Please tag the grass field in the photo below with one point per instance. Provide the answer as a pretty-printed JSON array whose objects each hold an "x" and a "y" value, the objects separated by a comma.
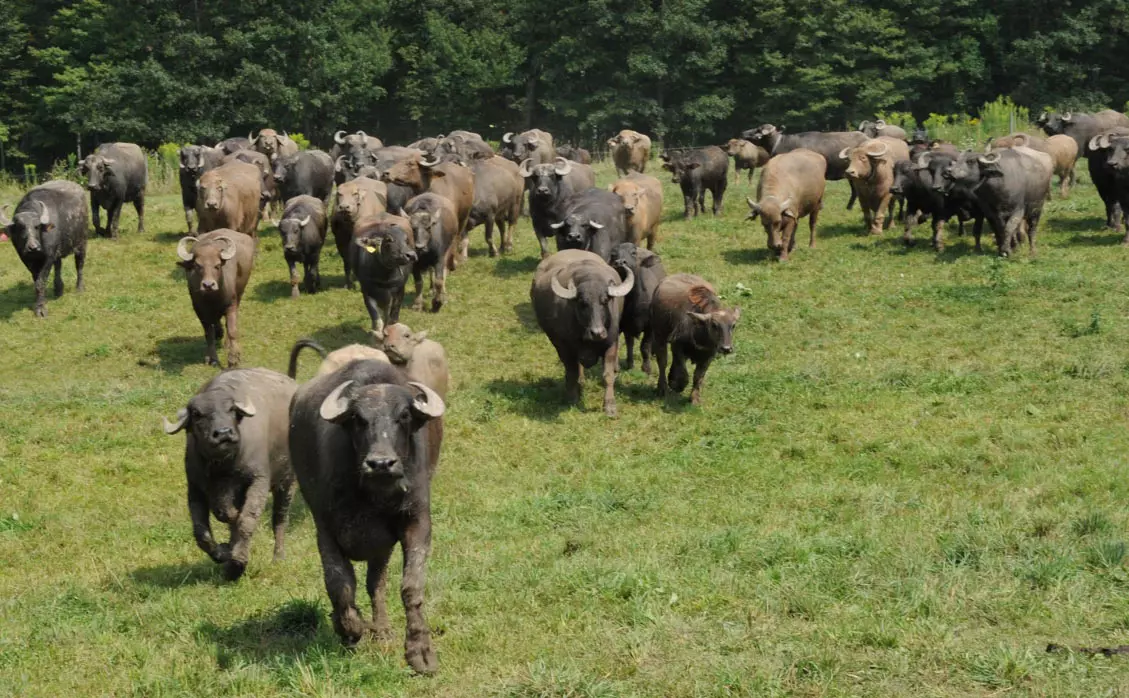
[{"x": 908, "y": 479}]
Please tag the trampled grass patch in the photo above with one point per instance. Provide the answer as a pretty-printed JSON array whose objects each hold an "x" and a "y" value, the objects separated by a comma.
[{"x": 908, "y": 479}]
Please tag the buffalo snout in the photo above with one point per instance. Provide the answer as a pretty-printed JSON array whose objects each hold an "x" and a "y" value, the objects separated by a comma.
[
  {"x": 596, "y": 333},
  {"x": 543, "y": 190},
  {"x": 223, "y": 434},
  {"x": 209, "y": 285},
  {"x": 384, "y": 465}
]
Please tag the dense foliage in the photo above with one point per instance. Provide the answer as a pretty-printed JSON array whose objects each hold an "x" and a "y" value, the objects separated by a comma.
[{"x": 152, "y": 71}]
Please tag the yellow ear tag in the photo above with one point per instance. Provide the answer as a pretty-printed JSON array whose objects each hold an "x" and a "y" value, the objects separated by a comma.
[{"x": 371, "y": 249}]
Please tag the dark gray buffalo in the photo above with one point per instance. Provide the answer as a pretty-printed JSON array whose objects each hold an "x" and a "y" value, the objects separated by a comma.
[
  {"x": 498, "y": 190},
  {"x": 382, "y": 256},
  {"x": 49, "y": 224},
  {"x": 595, "y": 220},
  {"x": 550, "y": 188},
  {"x": 236, "y": 452},
  {"x": 1081, "y": 126},
  {"x": 1117, "y": 164},
  {"x": 303, "y": 227},
  {"x": 1010, "y": 187},
  {"x": 828, "y": 144},
  {"x": 365, "y": 445},
  {"x": 116, "y": 174},
  {"x": 305, "y": 173},
  {"x": 578, "y": 301},
  {"x": 921, "y": 181},
  {"x": 696, "y": 172},
  {"x": 648, "y": 270},
  {"x": 1104, "y": 177},
  {"x": 195, "y": 160}
]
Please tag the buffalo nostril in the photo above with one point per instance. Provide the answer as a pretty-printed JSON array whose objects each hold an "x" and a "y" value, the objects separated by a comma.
[
  {"x": 380, "y": 464},
  {"x": 225, "y": 431},
  {"x": 727, "y": 349}
]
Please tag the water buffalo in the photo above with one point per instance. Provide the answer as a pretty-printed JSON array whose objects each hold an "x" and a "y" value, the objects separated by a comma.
[
  {"x": 1081, "y": 126},
  {"x": 1103, "y": 176},
  {"x": 696, "y": 172},
  {"x": 687, "y": 315},
  {"x": 570, "y": 152},
  {"x": 550, "y": 188},
  {"x": 230, "y": 197},
  {"x": 879, "y": 128},
  {"x": 642, "y": 197},
  {"x": 454, "y": 182},
  {"x": 535, "y": 145},
  {"x": 791, "y": 187},
  {"x": 746, "y": 156},
  {"x": 305, "y": 173},
  {"x": 921, "y": 183},
  {"x": 498, "y": 190},
  {"x": 648, "y": 270},
  {"x": 630, "y": 151},
  {"x": 422, "y": 359},
  {"x": 353, "y": 144},
  {"x": 333, "y": 360},
  {"x": 578, "y": 301},
  {"x": 466, "y": 146},
  {"x": 195, "y": 160},
  {"x": 382, "y": 256},
  {"x": 595, "y": 220},
  {"x": 233, "y": 145},
  {"x": 116, "y": 174},
  {"x": 829, "y": 145},
  {"x": 871, "y": 171},
  {"x": 356, "y": 199},
  {"x": 1010, "y": 187},
  {"x": 435, "y": 229},
  {"x": 218, "y": 266},
  {"x": 48, "y": 225},
  {"x": 268, "y": 192},
  {"x": 302, "y": 229},
  {"x": 273, "y": 144},
  {"x": 384, "y": 159},
  {"x": 365, "y": 442},
  {"x": 1117, "y": 166},
  {"x": 236, "y": 452}
]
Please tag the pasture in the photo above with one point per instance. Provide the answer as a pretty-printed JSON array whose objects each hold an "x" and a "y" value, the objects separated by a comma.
[{"x": 908, "y": 478}]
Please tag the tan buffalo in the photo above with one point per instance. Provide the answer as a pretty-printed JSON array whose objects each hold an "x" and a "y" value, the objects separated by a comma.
[
  {"x": 630, "y": 151},
  {"x": 643, "y": 199},
  {"x": 791, "y": 187},
  {"x": 229, "y": 197},
  {"x": 870, "y": 167}
]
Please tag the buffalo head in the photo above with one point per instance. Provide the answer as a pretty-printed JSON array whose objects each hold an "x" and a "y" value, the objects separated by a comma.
[
  {"x": 205, "y": 261},
  {"x": 213, "y": 418}
]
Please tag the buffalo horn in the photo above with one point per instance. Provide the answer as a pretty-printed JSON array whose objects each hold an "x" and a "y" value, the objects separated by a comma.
[
  {"x": 880, "y": 124},
  {"x": 245, "y": 408},
  {"x": 508, "y": 137},
  {"x": 1068, "y": 116},
  {"x": 880, "y": 153},
  {"x": 338, "y": 138},
  {"x": 989, "y": 159},
  {"x": 182, "y": 250},
  {"x": 304, "y": 222},
  {"x": 843, "y": 153},
  {"x": 229, "y": 248},
  {"x": 1096, "y": 142},
  {"x": 566, "y": 293},
  {"x": 43, "y": 217},
  {"x": 427, "y": 401},
  {"x": 561, "y": 166},
  {"x": 526, "y": 167},
  {"x": 335, "y": 406},
  {"x": 557, "y": 226},
  {"x": 181, "y": 420},
  {"x": 594, "y": 224},
  {"x": 624, "y": 287},
  {"x": 923, "y": 161},
  {"x": 428, "y": 163}
]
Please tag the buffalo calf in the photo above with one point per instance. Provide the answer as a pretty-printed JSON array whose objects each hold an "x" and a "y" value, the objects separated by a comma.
[{"x": 218, "y": 266}]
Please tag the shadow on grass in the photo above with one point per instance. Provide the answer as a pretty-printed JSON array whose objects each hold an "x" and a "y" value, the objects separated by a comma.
[
  {"x": 749, "y": 255},
  {"x": 507, "y": 267},
  {"x": 20, "y": 297},
  {"x": 271, "y": 291},
  {"x": 543, "y": 400},
  {"x": 178, "y": 575},
  {"x": 174, "y": 353},
  {"x": 169, "y": 236},
  {"x": 283, "y": 632},
  {"x": 643, "y": 389},
  {"x": 1100, "y": 237},
  {"x": 526, "y": 317}
]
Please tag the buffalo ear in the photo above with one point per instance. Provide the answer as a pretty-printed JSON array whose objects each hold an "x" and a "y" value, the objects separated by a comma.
[
  {"x": 420, "y": 336},
  {"x": 245, "y": 408},
  {"x": 704, "y": 318},
  {"x": 700, "y": 296},
  {"x": 650, "y": 260},
  {"x": 736, "y": 314},
  {"x": 335, "y": 407},
  {"x": 693, "y": 165},
  {"x": 181, "y": 422}
]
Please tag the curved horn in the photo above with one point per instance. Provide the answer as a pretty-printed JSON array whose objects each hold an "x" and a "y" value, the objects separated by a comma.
[
  {"x": 5, "y": 217},
  {"x": 229, "y": 249},
  {"x": 252, "y": 138},
  {"x": 362, "y": 134},
  {"x": 843, "y": 153},
  {"x": 508, "y": 137},
  {"x": 283, "y": 136},
  {"x": 594, "y": 224},
  {"x": 338, "y": 138},
  {"x": 337, "y": 166},
  {"x": 428, "y": 402},
  {"x": 923, "y": 160},
  {"x": 754, "y": 208},
  {"x": 182, "y": 250},
  {"x": 562, "y": 292},
  {"x": 44, "y": 219},
  {"x": 1021, "y": 138},
  {"x": 1068, "y": 116},
  {"x": 880, "y": 153},
  {"x": 557, "y": 226},
  {"x": 428, "y": 163},
  {"x": 881, "y": 123},
  {"x": 245, "y": 408},
  {"x": 304, "y": 222},
  {"x": 1096, "y": 142},
  {"x": 989, "y": 159},
  {"x": 334, "y": 406},
  {"x": 624, "y": 287},
  {"x": 561, "y": 166},
  {"x": 181, "y": 421},
  {"x": 526, "y": 167}
]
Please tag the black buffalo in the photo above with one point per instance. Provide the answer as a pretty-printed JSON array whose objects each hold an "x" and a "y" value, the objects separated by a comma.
[
  {"x": 594, "y": 220},
  {"x": 195, "y": 160},
  {"x": 116, "y": 174},
  {"x": 550, "y": 188},
  {"x": 696, "y": 172},
  {"x": 305, "y": 173}
]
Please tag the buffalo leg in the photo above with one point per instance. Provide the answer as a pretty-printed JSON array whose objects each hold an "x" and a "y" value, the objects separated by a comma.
[
  {"x": 689, "y": 203},
  {"x": 210, "y": 357},
  {"x": 813, "y": 221},
  {"x": 573, "y": 375},
  {"x": 699, "y": 375},
  {"x": 417, "y": 276},
  {"x": 977, "y": 231},
  {"x": 232, "y": 339},
  {"x": 395, "y": 300},
  {"x": 867, "y": 218},
  {"x": 113, "y": 218},
  {"x": 1032, "y": 226},
  {"x": 879, "y": 216},
  {"x": 341, "y": 585},
  {"x": 139, "y": 205},
  {"x": 787, "y": 238},
  {"x": 629, "y": 339},
  {"x": 294, "y": 280},
  {"x": 243, "y": 528},
  {"x": 506, "y": 228},
  {"x": 416, "y": 544},
  {"x": 544, "y": 242},
  {"x": 679, "y": 377},
  {"x": 79, "y": 265},
  {"x": 96, "y": 211},
  {"x": 660, "y": 349},
  {"x": 188, "y": 212},
  {"x": 202, "y": 526},
  {"x": 645, "y": 350},
  {"x": 719, "y": 196},
  {"x": 611, "y": 365},
  {"x": 373, "y": 308},
  {"x": 58, "y": 277},
  {"x": 376, "y": 581},
  {"x": 41, "y": 290},
  {"x": 854, "y": 196},
  {"x": 282, "y": 494},
  {"x": 309, "y": 276},
  {"x": 938, "y": 232},
  {"x": 489, "y": 225},
  {"x": 438, "y": 286},
  {"x": 464, "y": 242}
]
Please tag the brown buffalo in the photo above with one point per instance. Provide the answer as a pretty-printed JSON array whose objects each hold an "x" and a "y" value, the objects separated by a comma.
[
  {"x": 229, "y": 197},
  {"x": 273, "y": 144},
  {"x": 870, "y": 167},
  {"x": 746, "y": 156},
  {"x": 447, "y": 179},
  {"x": 218, "y": 266},
  {"x": 643, "y": 200},
  {"x": 790, "y": 188},
  {"x": 630, "y": 151},
  {"x": 358, "y": 198}
]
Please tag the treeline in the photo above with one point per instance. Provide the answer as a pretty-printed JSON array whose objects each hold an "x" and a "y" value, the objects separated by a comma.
[{"x": 687, "y": 71}]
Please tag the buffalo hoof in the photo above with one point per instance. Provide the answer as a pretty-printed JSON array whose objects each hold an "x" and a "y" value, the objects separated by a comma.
[
  {"x": 418, "y": 304},
  {"x": 294, "y": 292},
  {"x": 422, "y": 659},
  {"x": 610, "y": 410},
  {"x": 221, "y": 553},
  {"x": 436, "y": 305},
  {"x": 209, "y": 361},
  {"x": 909, "y": 242},
  {"x": 381, "y": 631},
  {"x": 40, "y": 311},
  {"x": 233, "y": 570},
  {"x": 493, "y": 252}
]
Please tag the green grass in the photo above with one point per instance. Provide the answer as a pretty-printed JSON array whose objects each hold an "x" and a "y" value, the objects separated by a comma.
[{"x": 907, "y": 480}]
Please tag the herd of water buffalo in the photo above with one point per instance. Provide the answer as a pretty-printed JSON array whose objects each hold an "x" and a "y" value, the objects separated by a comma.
[{"x": 362, "y": 438}]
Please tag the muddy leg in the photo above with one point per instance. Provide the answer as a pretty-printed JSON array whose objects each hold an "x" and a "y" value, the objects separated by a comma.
[
  {"x": 281, "y": 495},
  {"x": 699, "y": 376},
  {"x": 231, "y": 319},
  {"x": 341, "y": 585},
  {"x": 58, "y": 278},
  {"x": 611, "y": 365},
  {"x": 376, "y": 581},
  {"x": 416, "y": 544}
]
